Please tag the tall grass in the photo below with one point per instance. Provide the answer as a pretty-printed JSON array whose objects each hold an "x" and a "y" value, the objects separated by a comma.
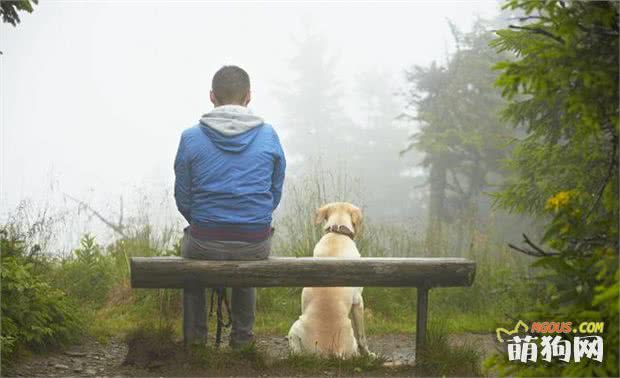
[
  {"x": 500, "y": 288},
  {"x": 97, "y": 276}
]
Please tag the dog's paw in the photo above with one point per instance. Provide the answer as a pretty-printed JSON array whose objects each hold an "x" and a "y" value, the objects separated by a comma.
[{"x": 364, "y": 351}]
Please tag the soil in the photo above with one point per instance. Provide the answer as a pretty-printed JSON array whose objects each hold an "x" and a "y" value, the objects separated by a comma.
[{"x": 95, "y": 359}]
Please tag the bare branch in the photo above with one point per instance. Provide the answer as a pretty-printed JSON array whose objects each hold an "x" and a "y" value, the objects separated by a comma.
[
  {"x": 537, "y": 248},
  {"x": 536, "y": 252},
  {"x": 601, "y": 190},
  {"x": 524, "y": 251},
  {"x": 538, "y": 31},
  {"x": 116, "y": 228},
  {"x": 526, "y": 18},
  {"x": 120, "y": 218}
]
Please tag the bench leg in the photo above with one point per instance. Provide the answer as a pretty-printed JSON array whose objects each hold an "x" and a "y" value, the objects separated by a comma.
[{"x": 421, "y": 319}]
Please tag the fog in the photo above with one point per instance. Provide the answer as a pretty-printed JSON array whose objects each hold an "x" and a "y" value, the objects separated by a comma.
[{"x": 94, "y": 95}]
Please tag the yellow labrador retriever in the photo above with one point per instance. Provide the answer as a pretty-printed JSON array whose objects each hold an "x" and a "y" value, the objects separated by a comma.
[{"x": 324, "y": 326}]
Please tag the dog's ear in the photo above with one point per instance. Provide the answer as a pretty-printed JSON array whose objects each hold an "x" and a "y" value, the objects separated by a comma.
[
  {"x": 356, "y": 217},
  {"x": 321, "y": 214}
]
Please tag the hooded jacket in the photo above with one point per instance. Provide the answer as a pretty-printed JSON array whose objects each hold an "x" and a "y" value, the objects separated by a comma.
[{"x": 229, "y": 170}]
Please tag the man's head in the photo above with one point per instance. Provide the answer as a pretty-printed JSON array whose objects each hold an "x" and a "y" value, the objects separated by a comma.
[{"x": 230, "y": 86}]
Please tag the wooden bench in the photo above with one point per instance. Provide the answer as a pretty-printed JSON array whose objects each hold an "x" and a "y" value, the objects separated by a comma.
[{"x": 422, "y": 273}]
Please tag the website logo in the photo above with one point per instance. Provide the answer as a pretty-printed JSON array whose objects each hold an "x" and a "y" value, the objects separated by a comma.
[{"x": 548, "y": 340}]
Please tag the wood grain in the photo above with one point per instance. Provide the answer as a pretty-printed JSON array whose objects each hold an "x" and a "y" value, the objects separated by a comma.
[{"x": 176, "y": 272}]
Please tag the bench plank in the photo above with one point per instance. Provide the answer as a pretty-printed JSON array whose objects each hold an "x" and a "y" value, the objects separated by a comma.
[{"x": 176, "y": 272}]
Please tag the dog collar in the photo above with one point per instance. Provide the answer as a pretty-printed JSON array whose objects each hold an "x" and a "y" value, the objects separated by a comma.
[{"x": 340, "y": 229}]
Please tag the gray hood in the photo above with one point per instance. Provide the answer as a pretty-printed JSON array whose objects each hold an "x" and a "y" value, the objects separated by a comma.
[{"x": 230, "y": 120}]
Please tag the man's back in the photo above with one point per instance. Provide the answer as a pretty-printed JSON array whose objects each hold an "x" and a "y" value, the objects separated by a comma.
[{"x": 230, "y": 169}]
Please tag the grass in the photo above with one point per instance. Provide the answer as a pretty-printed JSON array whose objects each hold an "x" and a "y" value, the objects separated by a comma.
[
  {"x": 495, "y": 293},
  {"x": 498, "y": 288},
  {"x": 153, "y": 346},
  {"x": 312, "y": 364},
  {"x": 440, "y": 358}
]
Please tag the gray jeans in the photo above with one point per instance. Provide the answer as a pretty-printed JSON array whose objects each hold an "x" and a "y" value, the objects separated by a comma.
[{"x": 243, "y": 300}]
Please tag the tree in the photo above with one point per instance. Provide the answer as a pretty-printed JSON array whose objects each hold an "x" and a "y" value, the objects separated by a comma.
[
  {"x": 312, "y": 101},
  {"x": 9, "y": 9},
  {"x": 460, "y": 133},
  {"x": 374, "y": 147},
  {"x": 563, "y": 87},
  {"x": 359, "y": 148}
]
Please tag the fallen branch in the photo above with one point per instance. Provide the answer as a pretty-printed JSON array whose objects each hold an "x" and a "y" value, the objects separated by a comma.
[{"x": 116, "y": 228}]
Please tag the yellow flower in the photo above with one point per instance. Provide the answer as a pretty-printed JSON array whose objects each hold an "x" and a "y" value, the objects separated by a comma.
[{"x": 557, "y": 201}]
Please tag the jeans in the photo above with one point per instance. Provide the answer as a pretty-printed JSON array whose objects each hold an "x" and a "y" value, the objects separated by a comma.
[{"x": 243, "y": 300}]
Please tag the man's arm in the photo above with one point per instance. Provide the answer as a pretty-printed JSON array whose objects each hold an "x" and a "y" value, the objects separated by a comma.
[
  {"x": 182, "y": 182},
  {"x": 277, "y": 179}
]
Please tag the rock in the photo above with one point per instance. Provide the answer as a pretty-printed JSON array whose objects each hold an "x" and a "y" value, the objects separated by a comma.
[
  {"x": 72, "y": 353},
  {"x": 393, "y": 363},
  {"x": 61, "y": 366},
  {"x": 90, "y": 372},
  {"x": 78, "y": 369},
  {"x": 155, "y": 364}
]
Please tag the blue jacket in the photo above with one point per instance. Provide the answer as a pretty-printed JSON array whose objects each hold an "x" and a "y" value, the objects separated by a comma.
[{"x": 229, "y": 169}]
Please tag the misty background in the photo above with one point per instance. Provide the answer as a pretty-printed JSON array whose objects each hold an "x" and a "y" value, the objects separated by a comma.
[{"x": 95, "y": 96}]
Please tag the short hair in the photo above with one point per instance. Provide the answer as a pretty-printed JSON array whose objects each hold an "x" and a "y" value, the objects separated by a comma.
[{"x": 230, "y": 85}]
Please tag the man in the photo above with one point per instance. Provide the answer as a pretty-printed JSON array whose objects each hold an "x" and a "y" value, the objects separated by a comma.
[{"x": 229, "y": 175}]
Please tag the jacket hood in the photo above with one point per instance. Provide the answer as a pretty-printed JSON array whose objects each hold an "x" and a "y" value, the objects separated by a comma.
[{"x": 231, "y": 127}]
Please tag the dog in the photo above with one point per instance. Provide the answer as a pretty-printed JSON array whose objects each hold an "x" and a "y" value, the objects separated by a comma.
[{"x": 324, "y": 326}]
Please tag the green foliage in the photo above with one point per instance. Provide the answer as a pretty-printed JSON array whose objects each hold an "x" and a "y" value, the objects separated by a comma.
[
  {"x": 463, "y": 140},
  {"x": 213, "y": 358},
  {"x": 88, "y": 275},
  {"x": 98, "y": 278},
  {"x": 439, "y": 358},
  {"x": 9, "y": 9},
  {"x": 34, "y": 314},
  {"x": 563, "y": 87}
]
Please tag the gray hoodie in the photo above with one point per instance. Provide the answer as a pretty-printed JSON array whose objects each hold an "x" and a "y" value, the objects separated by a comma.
[{"x": 231, "y": 120}]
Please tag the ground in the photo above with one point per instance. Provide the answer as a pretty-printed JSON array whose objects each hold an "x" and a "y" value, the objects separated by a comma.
[{"x": 110, "y": 359}]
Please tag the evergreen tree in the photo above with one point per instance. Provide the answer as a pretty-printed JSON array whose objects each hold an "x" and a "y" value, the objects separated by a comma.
[
  {"x": 9, "y": 10},
  {"x": 563, "y": 87},
  {"x": 460, "y": 133}
]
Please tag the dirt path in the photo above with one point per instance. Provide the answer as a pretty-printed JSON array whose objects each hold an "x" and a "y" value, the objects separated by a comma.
[{"x": 92, "y": 358}]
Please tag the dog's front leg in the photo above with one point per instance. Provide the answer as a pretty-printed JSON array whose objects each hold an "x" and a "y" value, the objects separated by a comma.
[
  {"x": 295, "y": 338},
  {"x": 357, "y": 318}
]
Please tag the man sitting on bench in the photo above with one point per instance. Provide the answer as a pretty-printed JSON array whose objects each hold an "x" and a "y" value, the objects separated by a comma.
[{"x": 229, "y": 175}]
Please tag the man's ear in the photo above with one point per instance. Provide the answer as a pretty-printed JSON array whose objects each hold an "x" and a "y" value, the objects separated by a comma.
[
  {"x": 321, "y": 214},
  {"x": 356, "y": 217},
  {"x": 248, "y": 98},
  {"x": 213, "y": 99}
]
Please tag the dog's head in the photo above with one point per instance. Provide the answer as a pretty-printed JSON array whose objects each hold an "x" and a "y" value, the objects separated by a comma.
[{"x": 340, "y": 214}]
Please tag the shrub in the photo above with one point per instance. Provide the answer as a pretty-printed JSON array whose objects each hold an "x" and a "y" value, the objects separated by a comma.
[
  {"x": 88, "y": 275},
  {"x": 34, "y": 314}
]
